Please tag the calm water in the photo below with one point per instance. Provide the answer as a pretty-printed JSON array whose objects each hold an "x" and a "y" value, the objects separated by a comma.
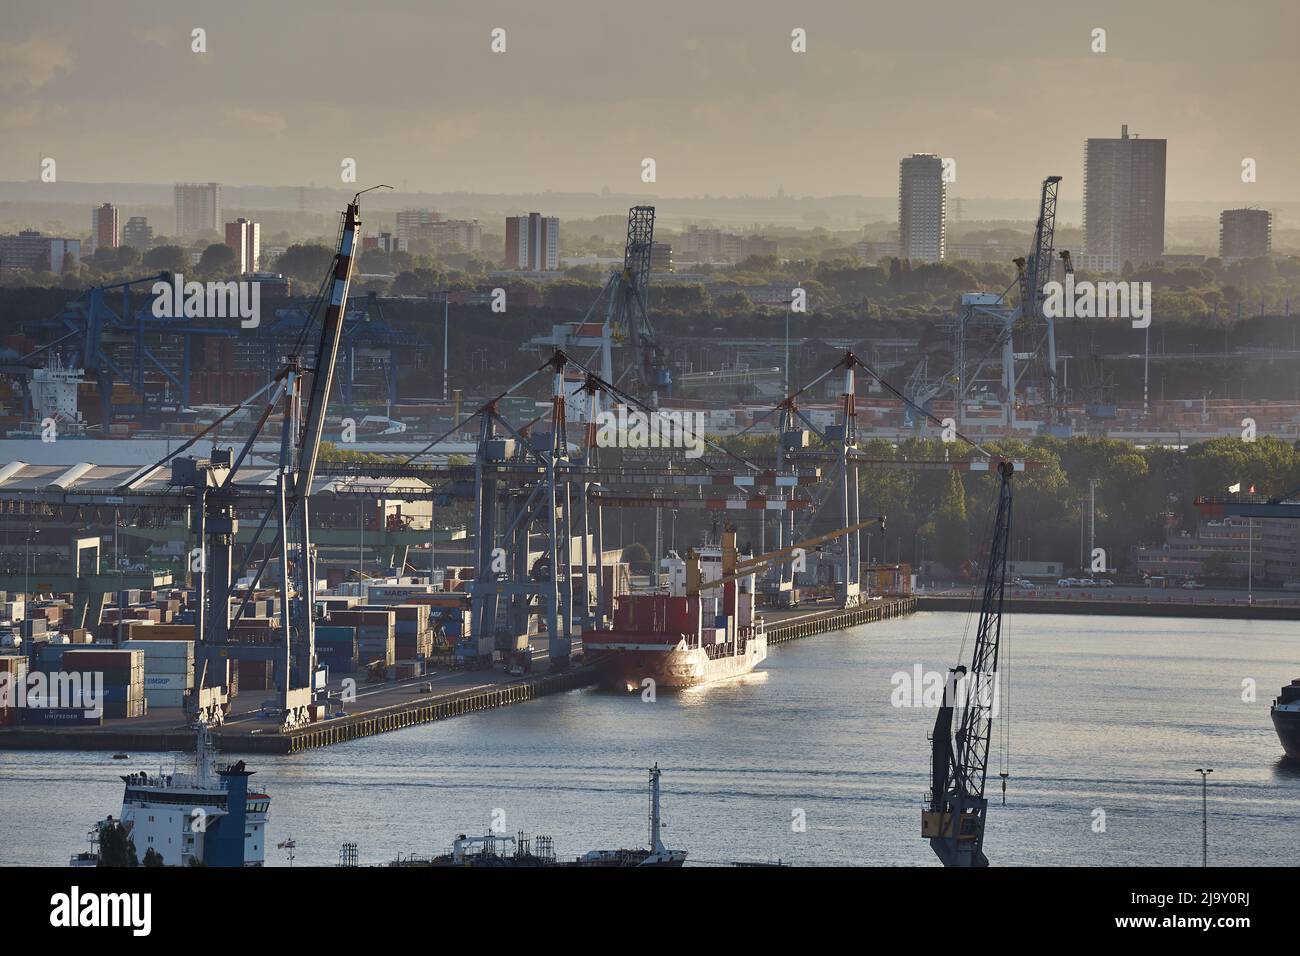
[{"x": 1109, "y": 713}]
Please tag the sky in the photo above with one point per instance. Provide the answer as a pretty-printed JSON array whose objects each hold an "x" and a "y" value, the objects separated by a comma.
[{"x": 709, "y": 89}]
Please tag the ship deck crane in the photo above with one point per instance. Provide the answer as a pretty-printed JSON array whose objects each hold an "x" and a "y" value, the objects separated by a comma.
[
  {"x": 953, "y": 821},
  {"x": 734, "y": 569}
]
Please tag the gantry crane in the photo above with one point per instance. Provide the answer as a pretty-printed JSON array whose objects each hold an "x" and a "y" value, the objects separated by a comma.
[
  {"x": 984, "y": 333},
  {"x": 953, "y": 821},
  {"x": 216, "y": 495}
]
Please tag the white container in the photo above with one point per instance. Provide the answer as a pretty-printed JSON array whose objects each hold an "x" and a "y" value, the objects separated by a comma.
[
  {"x": 157, "y": 649},
  {"x": 168, "y": 682},
  {"x": 158, "y": 697}
]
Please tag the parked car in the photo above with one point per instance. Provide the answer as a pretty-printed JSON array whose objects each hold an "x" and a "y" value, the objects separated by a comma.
[{"x": 1192, "y": 586}]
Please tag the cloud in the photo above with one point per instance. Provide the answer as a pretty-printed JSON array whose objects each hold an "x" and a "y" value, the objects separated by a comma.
[
  {"x": 32, "y": 63},
  {"x": 256, "y": 119}
]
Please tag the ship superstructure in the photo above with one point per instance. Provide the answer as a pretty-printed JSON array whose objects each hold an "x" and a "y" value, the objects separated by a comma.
[{"x": 207, "y": 817}]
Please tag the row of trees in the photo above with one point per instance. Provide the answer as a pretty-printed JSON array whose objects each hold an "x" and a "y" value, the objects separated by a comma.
[{"x": 1141, "y": 494}]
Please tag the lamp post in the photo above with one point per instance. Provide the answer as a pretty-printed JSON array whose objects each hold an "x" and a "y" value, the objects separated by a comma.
[
  {"x": 1205, "y": 838},
  {"x": 446, "y": 324}
]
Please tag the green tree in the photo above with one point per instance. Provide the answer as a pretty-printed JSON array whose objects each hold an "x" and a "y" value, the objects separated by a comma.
[
  {"x": 167, "y": 259},
  {"x": 637, "y": 556},
  {"x": 116, "y": 848},
  {"x": 306, "y": 262},
  {"x": 949, "y": 530},
  {"x": 218, "y": 259}
]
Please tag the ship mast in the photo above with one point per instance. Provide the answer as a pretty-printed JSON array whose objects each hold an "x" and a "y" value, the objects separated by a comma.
[{"x": 656, "y": 844}]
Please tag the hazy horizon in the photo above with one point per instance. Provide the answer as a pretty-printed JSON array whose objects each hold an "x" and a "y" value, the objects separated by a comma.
[{"x": 585, "y": 91}]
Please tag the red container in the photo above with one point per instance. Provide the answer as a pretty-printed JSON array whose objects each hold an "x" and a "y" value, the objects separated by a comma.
[{"x": 102, "y": 659}]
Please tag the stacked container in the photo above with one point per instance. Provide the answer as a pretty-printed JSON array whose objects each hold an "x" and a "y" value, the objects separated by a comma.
[
  {"x": 168, "y": 671},
  {"x": 14, "y": 667},
  {"x": 376, "y": 634},
  {"x": 413, "y": 639},
  {"x": 336, "y": 647},
  {"x": 123, "y": 672}
]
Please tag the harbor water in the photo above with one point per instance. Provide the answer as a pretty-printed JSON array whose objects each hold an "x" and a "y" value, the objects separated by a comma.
[{"x": 808, "y": 760}]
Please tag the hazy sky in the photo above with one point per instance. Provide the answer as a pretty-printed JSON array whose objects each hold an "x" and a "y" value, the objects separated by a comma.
[{"x": 709, "y": 88}]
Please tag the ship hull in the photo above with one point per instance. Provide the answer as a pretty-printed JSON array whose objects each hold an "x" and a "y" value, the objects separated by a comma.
[
  {"x": 675, "y": 667},
  {"x": 1287, "y": 723}
]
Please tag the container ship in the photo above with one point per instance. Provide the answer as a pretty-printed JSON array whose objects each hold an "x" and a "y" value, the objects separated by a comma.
[
  {"x": 699, "y": 631},
  {"x": 210, "y": 817},
  {"x": 1286, "y": 718}
]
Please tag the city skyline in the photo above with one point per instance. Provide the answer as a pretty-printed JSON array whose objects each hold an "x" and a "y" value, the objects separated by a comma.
[{"x": 733, "y": 110}]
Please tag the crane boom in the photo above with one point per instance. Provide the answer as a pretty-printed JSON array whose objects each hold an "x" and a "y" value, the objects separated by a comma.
[
  {"x": 327, "y": 350},
  {"x": 745, "y": 568},
  {"x": 954, "y": 820}
]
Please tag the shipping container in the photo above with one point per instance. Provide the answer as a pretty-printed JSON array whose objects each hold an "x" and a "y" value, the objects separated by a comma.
[{"x": 61, "y": 716}]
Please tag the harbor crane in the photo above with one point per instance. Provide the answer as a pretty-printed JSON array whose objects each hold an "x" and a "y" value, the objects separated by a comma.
[
  {"x": 953, "y": 821},
  {"x": 984, "y": 335},
  {"x": 215, "y": 494},
  {"x": 626, "y": 307}
]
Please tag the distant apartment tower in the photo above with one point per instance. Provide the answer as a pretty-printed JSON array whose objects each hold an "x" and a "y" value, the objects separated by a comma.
[
  {"x": 714, "y": 245},
  {"x": 137, "y": 233},
  {"x": 411, "y": 222},
  {"x": 198, "y": 208},
  {"x": 661, "y": 257},
  {"x": 533, "y": 242},
  {"x": 921, "y": 196},
  {"x": 35, "y": 251},
  {"x": 384, "y": 242},
  {"x": 1124, "y": 200},
  {"x": 104, "y": 229},
  {"x": 245, "y": 238},
  {"x": 1245, "y": 233}
]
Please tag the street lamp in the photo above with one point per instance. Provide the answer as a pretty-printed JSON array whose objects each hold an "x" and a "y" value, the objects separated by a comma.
[
  {"x": 446, "y": 324},
  {"x": 1205, "y": 840}
]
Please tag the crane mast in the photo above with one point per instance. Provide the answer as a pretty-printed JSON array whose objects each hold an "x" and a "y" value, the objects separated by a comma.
[
  {"x": 1035, "y": 274},
  {"x": 954, "y": 819},
  {"x": 626, "y": 307}
]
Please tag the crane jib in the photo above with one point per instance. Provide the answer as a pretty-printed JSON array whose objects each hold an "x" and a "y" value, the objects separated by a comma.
[{"x": 954, "y": 820}]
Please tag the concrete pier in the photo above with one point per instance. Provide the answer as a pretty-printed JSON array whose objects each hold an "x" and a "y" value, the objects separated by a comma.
[{"x": 396, "y": 706}]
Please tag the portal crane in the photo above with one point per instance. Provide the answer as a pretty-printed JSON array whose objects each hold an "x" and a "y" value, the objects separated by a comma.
[
  {"x": 1037, "y": 272},
  {"x": 954, "y": 820},
  {"x": 626, "y": 306}
]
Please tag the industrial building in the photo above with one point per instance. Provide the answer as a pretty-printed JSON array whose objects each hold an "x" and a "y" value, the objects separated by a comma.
[{"x": 1266, "y": 549}]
